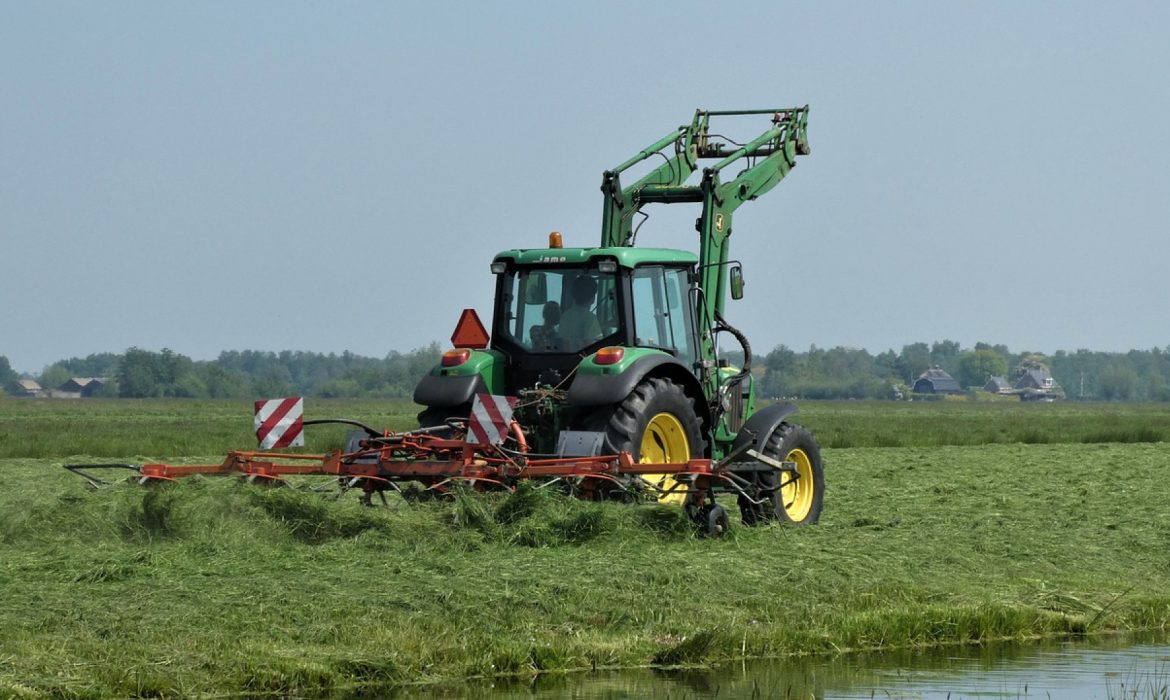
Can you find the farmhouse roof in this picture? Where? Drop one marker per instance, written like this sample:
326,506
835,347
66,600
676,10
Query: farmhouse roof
938,379
1036,378
935,373
28,385
80,383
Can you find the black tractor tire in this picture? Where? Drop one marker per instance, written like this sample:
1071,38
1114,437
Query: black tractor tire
753,514
625,424
800,501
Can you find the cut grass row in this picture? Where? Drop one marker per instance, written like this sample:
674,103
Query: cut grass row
212,587
165,429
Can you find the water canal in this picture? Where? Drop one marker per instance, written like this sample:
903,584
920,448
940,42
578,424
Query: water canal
1129,668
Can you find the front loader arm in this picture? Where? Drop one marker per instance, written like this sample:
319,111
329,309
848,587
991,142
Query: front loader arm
621,204
764,162
768,158
774,153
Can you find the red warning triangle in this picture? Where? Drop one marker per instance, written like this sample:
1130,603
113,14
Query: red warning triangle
469,332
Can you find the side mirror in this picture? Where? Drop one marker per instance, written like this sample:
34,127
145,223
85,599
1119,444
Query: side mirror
736,282
536,291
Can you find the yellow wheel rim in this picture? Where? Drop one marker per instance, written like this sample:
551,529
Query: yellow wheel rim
665,442
797,493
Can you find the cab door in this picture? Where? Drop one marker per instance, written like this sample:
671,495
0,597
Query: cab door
664,316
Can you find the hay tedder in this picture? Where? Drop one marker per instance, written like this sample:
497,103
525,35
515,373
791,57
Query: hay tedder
601,374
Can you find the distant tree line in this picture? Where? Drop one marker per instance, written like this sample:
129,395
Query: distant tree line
139,373
836,373
851,373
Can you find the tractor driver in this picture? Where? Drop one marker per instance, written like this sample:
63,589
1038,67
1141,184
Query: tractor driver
579,325
545,337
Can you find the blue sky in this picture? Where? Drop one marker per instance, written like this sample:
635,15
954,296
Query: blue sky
329,177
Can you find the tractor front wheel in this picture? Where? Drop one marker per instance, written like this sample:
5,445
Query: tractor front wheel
797,496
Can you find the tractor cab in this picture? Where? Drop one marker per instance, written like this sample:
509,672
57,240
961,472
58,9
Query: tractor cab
558,307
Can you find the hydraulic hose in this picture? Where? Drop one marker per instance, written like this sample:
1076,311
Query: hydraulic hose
721,324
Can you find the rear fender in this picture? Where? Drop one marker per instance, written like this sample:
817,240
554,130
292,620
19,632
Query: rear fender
446,387
762,424
446,392
590,389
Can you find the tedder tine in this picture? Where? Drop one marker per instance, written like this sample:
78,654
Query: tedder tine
93,481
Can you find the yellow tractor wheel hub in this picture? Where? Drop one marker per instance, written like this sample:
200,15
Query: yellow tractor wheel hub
797,493
665,442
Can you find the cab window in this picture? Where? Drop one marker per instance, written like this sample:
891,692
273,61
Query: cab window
559,309
662,312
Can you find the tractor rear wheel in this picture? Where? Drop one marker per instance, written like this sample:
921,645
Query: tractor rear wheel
795,498
656,424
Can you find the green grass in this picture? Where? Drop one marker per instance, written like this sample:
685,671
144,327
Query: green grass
945,523
164,429
930,423
210,586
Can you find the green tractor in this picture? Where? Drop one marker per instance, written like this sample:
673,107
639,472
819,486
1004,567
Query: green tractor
614,349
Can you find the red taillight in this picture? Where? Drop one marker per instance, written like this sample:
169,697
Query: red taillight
454,358
609,356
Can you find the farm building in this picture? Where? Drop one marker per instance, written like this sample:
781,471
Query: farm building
998,385
79,387
1036,379
27,388
936,381
1038,385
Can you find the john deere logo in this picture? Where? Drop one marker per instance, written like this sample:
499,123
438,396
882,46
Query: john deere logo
718,222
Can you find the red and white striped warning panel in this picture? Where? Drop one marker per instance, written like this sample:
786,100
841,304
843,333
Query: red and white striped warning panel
490,417
279,423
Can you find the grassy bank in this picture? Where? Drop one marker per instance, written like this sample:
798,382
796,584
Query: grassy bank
211,587
165,429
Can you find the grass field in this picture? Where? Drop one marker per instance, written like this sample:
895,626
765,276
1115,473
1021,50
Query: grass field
910,424
213,587
165,429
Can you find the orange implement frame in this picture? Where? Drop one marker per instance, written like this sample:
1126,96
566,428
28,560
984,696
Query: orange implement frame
437,462
383,462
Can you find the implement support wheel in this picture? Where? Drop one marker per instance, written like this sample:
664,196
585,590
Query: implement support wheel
715,522
795,498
